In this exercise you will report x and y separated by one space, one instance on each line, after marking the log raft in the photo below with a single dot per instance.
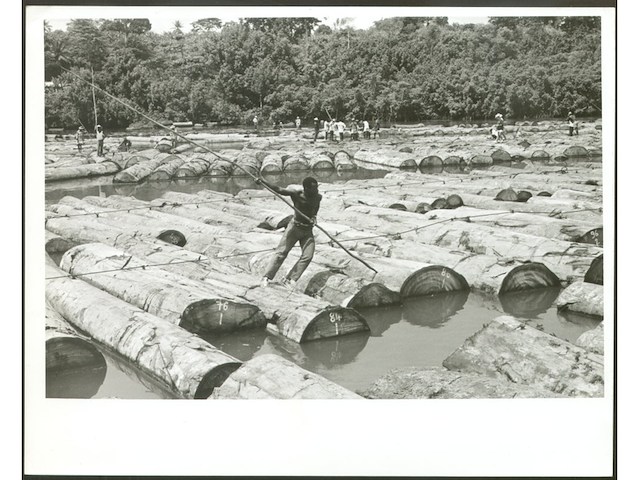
192 305
186 364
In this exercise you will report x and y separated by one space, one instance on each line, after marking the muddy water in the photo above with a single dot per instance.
420 333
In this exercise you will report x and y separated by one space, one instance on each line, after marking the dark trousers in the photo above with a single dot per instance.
100 147
316 134
292 235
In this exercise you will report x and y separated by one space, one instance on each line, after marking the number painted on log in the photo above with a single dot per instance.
335 317
222 307
594 234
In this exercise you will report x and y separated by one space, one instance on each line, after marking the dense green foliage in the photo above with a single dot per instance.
402 69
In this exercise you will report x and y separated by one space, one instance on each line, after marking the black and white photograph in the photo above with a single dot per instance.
404 208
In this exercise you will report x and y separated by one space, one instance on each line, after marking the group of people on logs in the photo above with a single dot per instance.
81 134
498 134
334 129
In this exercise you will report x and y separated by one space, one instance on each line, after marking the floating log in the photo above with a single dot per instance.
343 161
295 162
513 351
297 316
70 359
187 364
195 166
500 155
128 159
567 260
584 298
80 171
431 161
592 340
481 160
538 225
527 277
140 171
192 305
167 170
56 244
387 158
272 163
576 151
247 162
320 161
271 376
438 382
595 271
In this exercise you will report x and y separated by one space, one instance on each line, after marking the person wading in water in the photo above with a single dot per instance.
299 230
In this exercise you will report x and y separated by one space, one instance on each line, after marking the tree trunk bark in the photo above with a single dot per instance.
81 171
167 170
273 377
508 349
190 304
584 298
185 363
195 166
386 158
142 170
272 163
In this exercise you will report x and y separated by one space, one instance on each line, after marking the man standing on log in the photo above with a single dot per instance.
99 135
79 138
299 229
316 126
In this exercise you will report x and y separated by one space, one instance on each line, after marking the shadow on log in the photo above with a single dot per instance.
435 310
528 303
595 271
528 276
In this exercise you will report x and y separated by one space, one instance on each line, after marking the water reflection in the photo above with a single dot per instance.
326 353
434 310
529 303
242 344
586 322
75 383
380 319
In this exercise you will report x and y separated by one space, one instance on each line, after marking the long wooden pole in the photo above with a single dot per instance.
95 106
234 163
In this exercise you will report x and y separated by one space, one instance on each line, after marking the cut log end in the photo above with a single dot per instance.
374 295
592 237
431 161
432 280
215 378
334 322
221 315
173 237
529 276
595 271
74 368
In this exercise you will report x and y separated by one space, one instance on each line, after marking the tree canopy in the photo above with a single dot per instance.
402 69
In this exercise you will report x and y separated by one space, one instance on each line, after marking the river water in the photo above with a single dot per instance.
420 333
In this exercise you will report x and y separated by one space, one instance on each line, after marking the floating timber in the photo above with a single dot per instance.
273 377
582 297
511 350
185 363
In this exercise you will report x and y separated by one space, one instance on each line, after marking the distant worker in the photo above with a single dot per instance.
299 229
333 129
298 123
316 126
341 128
173 136
572 124
327 129
125 146
501 135
281 125
376 129
367 130
79 138
354 130
255 122
99 136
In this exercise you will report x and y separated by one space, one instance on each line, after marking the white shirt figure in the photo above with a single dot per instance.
366 126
